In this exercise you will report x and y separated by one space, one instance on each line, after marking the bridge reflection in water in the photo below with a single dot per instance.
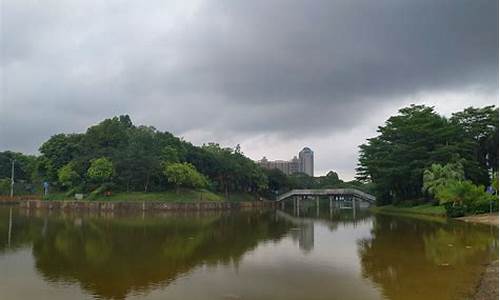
342 212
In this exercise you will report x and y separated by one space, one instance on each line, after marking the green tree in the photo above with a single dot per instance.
142 156
223 167
331 180
67 175
409 143
481 125
255 180
438 176
58 151
229 169
169 154
278 182
24 165
184 175
109 138
101 170
138 154
302 181
25 174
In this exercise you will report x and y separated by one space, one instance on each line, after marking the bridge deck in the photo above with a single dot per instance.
327 192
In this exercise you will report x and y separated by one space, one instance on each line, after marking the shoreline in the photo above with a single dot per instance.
141 205
489 219
422 210
487 287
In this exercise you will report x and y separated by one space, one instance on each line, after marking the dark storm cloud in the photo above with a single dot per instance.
234 68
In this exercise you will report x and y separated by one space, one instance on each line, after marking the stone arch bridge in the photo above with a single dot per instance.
339 198
334 194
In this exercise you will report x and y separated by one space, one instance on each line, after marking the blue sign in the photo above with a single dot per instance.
490 190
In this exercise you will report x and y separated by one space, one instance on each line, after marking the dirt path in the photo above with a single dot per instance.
491 219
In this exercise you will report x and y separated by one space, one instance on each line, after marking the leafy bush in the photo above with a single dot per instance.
463 197
484 205
454 211
460 192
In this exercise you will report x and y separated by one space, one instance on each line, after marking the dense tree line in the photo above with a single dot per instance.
116 155
418 137
125 157
25 171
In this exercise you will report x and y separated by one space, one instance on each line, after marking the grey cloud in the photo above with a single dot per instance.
234 68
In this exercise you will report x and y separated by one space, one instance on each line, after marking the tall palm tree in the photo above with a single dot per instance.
438 176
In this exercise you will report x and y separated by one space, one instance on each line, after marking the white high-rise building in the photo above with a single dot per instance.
306 161
303 164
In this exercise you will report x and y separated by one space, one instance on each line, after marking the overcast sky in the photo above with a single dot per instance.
273 76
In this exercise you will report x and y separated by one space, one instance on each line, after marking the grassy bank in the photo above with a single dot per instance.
185 195
425 209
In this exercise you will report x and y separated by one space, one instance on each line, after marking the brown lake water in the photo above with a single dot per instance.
239 255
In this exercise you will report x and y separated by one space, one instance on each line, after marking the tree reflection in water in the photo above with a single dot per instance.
414 259
113 257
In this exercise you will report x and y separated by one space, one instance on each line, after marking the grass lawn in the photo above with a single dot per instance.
184 195
424 209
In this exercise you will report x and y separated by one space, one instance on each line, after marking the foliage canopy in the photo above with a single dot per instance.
185 175
417 138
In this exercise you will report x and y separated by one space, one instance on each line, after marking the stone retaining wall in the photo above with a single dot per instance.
140 206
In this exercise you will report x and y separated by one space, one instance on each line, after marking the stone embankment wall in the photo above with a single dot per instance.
141 206
16 199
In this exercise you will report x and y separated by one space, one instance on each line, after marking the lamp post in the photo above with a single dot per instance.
12 179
